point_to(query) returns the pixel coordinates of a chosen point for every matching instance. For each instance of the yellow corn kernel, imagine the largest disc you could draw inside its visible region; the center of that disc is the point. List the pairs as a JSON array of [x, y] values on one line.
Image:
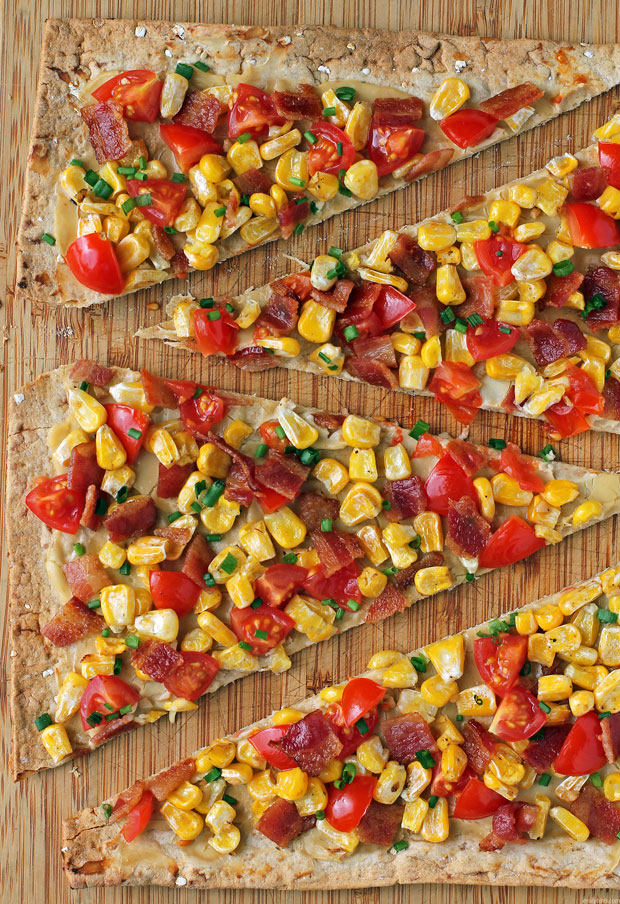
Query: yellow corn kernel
[[358, 124], [332, 474], [324, 186], [115, 228], [610, 581], [197, 641], [256, 542], [112, 555], [287, 716], [183, 318], [448, 98], [433, 580], [548, 534], [451, 255], [507, 491], [438, 692], [581, 702], [525, 622], [431, 352], [484, 491], [214, 167], [329, 98], [609, 646], [262, 786], [236, 432], [109, 449], [226, 840], [292, 164], [285, 527], [118, 605], [88, 412], [396, 462], [323, 275], [607, 692], [611, 786], [219, 753], [248, 314], [159, 441], [550, 195], [436, 825], [586, 676], [314, 798], [564, 638], [581, 656], [540, 512], [568, 789], [189, 214], [112, 645], [552, 688], [210, 224], [549, 616], [346, 841], [390, 783], [528, 231], [291, 784], [278, 660], [453, 762], [560, 492], [383, 659], [436, 236], [160, 624], [516, 313], [449, 289], [415, 814], [186, 825], [401, 674], [273, 148], [573, 826], [69, 696], [378, 257], [609, 130], [473, 231], [298, 431], [597, 348], [371, 755], [93, 664], [412, 373], [609, 202], [559, 251], [476, 701], [361, 503], [384, 279], [72, 183], [562, 166], [172, 94], [62, 453], [311, 617], [332, 694], [523, 195], [448, 656], [587, 511], [56, 741], [132, 251], [201, 255], [611, 259], [282, 347], [212, 461], [456, 348], [244, 156], [237, 774], [576, 597], [534, 264], [240, 591], [363, 465], [148, 550], [507, 212], [506, 367], [369, 537], [413, 701], [362, 178], [492, 781], [186, 796]]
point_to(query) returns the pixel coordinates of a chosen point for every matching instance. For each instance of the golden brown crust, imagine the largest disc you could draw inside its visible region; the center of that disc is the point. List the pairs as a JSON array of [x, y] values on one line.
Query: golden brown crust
[[74, 50]]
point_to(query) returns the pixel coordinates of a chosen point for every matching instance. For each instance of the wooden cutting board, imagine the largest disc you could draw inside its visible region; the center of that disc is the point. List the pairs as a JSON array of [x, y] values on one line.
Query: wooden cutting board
[[37, 339]]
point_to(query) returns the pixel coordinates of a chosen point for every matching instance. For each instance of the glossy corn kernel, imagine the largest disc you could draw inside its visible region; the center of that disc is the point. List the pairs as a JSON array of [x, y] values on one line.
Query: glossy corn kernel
[[324, 186], [523, 195], [72, 182], [448, 288], [185, 825], [363, 465], [278, 660], [384, 279], [281, 346], [492, 781], [568, 789], [160, 624], [473, 231], [448, 98], [160, 442], [587, 511], [132, 251], [559, 251], [560, 492], [240, 591], [453, 762], [196, 641], [401, 674], [507, 212], [533, 264], [172, 94], [294, 164], [550, 195], [390, 783], [87, 411], [415, 814], [581, 702], [581, 656], [298, 431], [412, 373], [248, 314], [526, 232], [234, 657], [576, 597], [314, 798], [486, 498], [69, 696], [118, 605], [371, 755], [396, 462], [549, 616], [201, 255], [433, 580], [275, 147], [285, 527], [609, 646], [93, 664], [262, 786], [448, 657], [438, 692], [62, 453], [109, 449], [362, 178], [540, 512], [148, 550], [226, 840], [564, 638], [345, 841], [609, 202], [332, 474], [507, 491], [476, 701], [378, 257], [361, 503], [311, 617], [212, 461], [413, 701], [418, 778], [611, 786], [186, 796], [525, 622], [255, 541], [436, 825], [258, 229], [516, 313], [585, 676], [451, 255], [456, 348], [112, 555], [370, 540], [552, 688], [332, 694], [431, 352], [330, 99], [56, 741], [291, 784], [436, 236], [573, 826]]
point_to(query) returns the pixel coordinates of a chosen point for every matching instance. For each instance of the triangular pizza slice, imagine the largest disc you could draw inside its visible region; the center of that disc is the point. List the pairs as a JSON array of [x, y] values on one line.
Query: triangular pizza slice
[[166, 539], [511, 302], [485, 757], [160, 148]]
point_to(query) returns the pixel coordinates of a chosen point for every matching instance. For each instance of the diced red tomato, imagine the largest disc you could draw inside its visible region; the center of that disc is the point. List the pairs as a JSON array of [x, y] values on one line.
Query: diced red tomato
[[521, 468], [270, 500], [138, 818], [323, 156], [359, 697], [455, 382], [253, 111], [188, 144], [591, 227], [566, 419], [166, 199], [391, 306], [173, 590], [105, 689], [56, 505], [497, 255], [137, 90], [609, 157], [192, 678], [477, 801], [582, 391], [92, 260], [499, 663], [514, 540], [491, 338], [276, 585], [518, 716], [467, 128], [346, 806], [428, 445], [349, 735], [270, 435], [582, 752], [390, 144], [341, 586], [215, 336], [251, 624], [199, 415], [262, 743], [441, 787], [447, 481], [122, 419]]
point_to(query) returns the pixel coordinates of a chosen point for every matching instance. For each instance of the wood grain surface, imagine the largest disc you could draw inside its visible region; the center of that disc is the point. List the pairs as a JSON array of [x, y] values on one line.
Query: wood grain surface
[[33, 340]]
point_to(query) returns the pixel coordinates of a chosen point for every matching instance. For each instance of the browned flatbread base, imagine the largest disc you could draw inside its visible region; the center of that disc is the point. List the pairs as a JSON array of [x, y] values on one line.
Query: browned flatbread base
[[75, 50]]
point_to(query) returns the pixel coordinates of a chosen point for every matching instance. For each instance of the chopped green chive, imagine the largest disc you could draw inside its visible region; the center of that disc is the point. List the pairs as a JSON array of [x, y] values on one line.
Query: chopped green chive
[[214, 315], [107, 810], [91, 177], [419, 429], [94, 604], [170, 230], [196, 395], [339, 148], [354, 605], [134, 434], [290, 558], [42, 721], [78, 549], [102, 189], [213, 774], [348, 773], [401, 845], [456, 217], [76, 162], [142, 162], [527, 668], [245, 136], [196, 507], [84, 386], [461, 325], [310, 137], [229, 308], [419, 663], [499, 254], [505, 329], [118, 665], [261, 450], [214, 492], [544, 779], [105, 632], [329, 111], [390, 571], [447, 315], [345, 93], [298, 229], [339, 613], [604, 615], [350, 333], [245, 646], [547, 453], [362, 726], [213, 538], [125, 709], [245, 200], [174, 516], [202, 66], [295, 180], [386, 504], [320, 815], [125, 568], [94, 719], [208, 578], [46, 237], [475, 319], [258, 602], [459, 717], [262, 635], [604, 715], [177, 177], [144, 200], [184, 70], [309, 456], [229, 564], [563, 268], [497, 443], [279, 431], [141, 177], [545, 708], [324, 357], [420, 335], [335, 252], [416, 542], [326, 525], [229, 799], [493, 226], [596, 780], [432, 801], [128, 205], [127, 170], [470, 578], [219, 211], [206, 302]]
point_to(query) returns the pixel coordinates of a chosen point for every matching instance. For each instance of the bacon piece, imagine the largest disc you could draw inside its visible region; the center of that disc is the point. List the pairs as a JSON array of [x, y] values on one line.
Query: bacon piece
[[508, 102], [91, 372], [252, 181], [107, 130], [171, 480], [570, 331], [546, 344], [73, 622], [107, 730], [337, 298], [468, 457], [426, 312], [237, 488], [359, 312], [406, 497], [600, 815], [311, 742], [133, 518], [610, 737], [302, 104], [90, 519], [380, 823], [413, 261], [376, 373], [314, 507], [279, 316], [335, 550], [606, 282], [479, 745], [480, 297], [468, 532], [83, 468], [281, 822], [86, 576], [510, 823], [540, 754], [406, 735], [587, 184], [331, 422], [405, 577], [179, 265], [560, 288], [155, 659], [163, 245], [200, 111], [179, 537], [253, 358], [468, 201], [156, 391], [297, 285], [611, 395], [291, 214], [375, 348], [429, 163], [283, 473], [126, 801], [198, 557], [508, 402], [389, 601], [163, 784], [397, 110]]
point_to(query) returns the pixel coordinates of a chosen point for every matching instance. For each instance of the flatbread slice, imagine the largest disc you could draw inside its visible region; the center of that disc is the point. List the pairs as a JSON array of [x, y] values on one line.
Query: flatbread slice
[[510, 85], [324, 542], [514, 311], [511, 814]]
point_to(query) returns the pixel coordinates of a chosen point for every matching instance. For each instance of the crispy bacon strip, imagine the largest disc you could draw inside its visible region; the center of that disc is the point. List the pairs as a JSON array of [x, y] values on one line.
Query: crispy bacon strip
[[374, 372], [84, 470], [302, 104], [252, 181], [375, 348], [390, 601], [165, 782], [587, 184], [199, 110], [428, 163], [314, 507], [91, 372], [406, 498], [406, 735], [335, 550], [480, 292], [198, 557], [380, 823], [413, 261], [102, 733], [86, 576], [171, 480], [478, 744], [560, 288], [156, 659], [107, 130], [253, 358], [291, 214], [73, 622], [311, 742], [337, 298], [508, 102], [133, 518], [283, 473], [468, 532], [126, 801], [405, 577], [279, 316], [281, 822], [600, 815], [540, 754]]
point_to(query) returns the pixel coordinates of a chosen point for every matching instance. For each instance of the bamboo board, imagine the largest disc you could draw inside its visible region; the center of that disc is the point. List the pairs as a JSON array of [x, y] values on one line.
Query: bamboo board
[[33, 340]]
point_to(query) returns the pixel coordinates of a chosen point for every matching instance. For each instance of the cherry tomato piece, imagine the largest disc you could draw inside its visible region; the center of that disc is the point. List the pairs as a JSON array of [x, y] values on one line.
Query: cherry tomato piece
[[215, 334], [496, 257], [137, 90], [521, 468], [188, 144], [591, 227], [359, 696], [609, 157], [499, 664], [138, 818], [199, 415], [392, 143], [173, 590], [582, 752], [102, 690], [391, 306], [447, 481], [55, 504], [566, 419], [349, 735], [346, 806], [491, 338], [92, 260], [273, 435], [518, 716], [341, 586], [514, 540], [467, 128], [323, 156], [263, 628], [192, 678], [166, 199], [122, 419], [477, 801], [277, 585], [262, 742], [253, 111]]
